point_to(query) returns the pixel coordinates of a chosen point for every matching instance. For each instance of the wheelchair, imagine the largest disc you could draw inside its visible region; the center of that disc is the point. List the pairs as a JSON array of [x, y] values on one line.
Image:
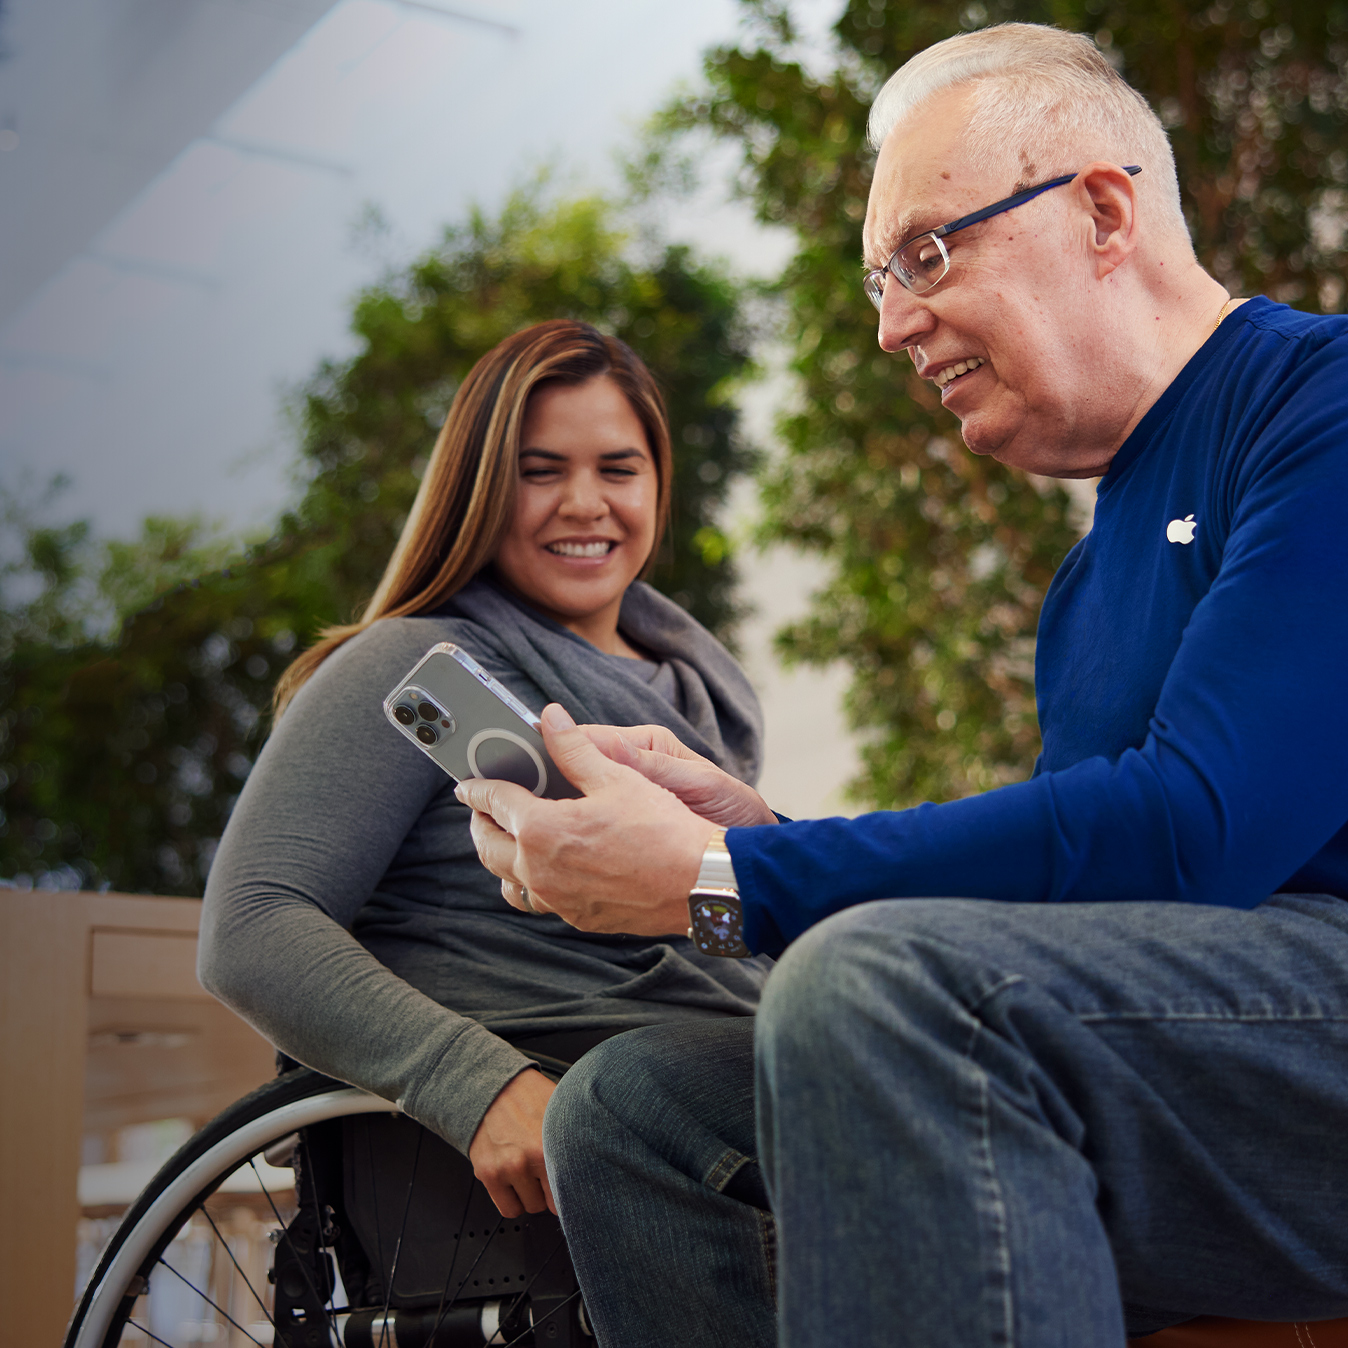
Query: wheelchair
[[312, 1215]]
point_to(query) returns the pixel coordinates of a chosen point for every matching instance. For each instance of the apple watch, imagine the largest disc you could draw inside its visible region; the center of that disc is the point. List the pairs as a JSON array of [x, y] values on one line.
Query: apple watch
[[714, 913]]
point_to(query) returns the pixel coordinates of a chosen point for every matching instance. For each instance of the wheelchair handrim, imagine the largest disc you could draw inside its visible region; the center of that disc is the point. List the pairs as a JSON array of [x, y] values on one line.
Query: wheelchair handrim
[[197, 1179]]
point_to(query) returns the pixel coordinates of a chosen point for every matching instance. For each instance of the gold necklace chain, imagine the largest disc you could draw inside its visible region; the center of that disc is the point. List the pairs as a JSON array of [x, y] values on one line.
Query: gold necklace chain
[[1230, 300]]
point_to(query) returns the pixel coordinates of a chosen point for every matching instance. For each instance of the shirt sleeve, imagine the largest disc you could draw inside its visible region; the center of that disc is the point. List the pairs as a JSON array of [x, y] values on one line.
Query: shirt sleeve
[[321, 818], [1240, 780]]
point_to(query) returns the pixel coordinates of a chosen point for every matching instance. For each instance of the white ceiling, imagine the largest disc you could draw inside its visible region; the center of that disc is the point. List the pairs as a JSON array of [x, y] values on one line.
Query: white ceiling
[[173, 304]]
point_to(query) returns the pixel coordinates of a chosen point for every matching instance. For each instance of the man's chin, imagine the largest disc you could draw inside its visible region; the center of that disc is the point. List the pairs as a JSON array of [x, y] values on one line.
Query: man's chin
[[981, 436]]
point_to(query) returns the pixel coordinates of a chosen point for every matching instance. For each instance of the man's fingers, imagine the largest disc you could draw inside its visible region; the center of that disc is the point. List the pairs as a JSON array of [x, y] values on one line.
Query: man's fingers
[[496, 849], [617, 741], [582, 764], [679, 775], [504, 802], [517, 896], [611, 742]]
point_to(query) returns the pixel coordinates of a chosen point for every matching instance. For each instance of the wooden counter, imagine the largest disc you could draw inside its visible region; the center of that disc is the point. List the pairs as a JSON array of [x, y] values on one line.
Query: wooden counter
[[102, 1025]]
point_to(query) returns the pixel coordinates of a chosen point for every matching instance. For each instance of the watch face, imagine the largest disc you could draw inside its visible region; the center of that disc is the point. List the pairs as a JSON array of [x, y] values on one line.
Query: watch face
[[717, 926]]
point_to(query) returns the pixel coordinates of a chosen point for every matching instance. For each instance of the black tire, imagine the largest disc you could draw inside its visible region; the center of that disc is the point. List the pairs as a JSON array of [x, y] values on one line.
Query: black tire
[[229, 1143]]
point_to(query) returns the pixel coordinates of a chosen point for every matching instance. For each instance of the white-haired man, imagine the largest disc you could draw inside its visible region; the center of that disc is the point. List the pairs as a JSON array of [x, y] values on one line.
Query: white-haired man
[[1106, 1089]]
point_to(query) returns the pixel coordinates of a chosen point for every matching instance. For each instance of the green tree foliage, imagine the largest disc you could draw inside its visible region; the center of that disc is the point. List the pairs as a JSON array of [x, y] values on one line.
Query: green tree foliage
[[940, 559], [121, 757]]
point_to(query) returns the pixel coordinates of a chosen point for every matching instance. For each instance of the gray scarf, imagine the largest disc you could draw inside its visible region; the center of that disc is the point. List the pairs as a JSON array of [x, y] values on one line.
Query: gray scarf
[[722, 719]]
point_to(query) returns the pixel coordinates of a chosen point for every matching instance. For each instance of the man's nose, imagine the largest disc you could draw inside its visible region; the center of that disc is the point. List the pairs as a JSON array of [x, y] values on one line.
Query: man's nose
[[905, 318]]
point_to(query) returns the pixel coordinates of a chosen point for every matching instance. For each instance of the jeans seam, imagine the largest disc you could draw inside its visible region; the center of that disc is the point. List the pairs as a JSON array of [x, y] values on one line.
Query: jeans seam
[[997, 1205], [767, 1235], [727, 1166], [1010, 980]]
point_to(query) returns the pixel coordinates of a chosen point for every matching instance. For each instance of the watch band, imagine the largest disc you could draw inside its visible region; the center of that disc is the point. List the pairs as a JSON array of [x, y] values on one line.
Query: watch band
[[718, 869], [716, 919]]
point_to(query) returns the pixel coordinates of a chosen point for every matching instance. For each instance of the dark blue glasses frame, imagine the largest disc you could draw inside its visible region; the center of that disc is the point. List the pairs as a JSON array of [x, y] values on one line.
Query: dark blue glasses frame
[[907, 277]]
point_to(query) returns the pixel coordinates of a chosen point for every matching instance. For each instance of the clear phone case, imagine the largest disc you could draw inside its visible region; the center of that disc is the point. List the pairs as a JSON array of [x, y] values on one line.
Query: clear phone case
[[472, 725]]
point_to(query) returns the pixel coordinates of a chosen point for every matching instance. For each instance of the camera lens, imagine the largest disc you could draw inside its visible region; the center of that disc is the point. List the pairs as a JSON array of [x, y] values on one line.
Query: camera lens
[[404, 714], [429, 711], [426, 734]]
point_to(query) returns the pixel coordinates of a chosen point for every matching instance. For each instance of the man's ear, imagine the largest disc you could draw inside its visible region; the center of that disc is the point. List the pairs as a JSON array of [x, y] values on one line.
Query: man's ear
[[1107, 194]]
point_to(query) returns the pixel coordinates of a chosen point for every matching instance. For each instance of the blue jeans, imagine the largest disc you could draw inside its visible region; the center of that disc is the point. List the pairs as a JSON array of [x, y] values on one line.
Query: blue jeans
[[980, 1124]]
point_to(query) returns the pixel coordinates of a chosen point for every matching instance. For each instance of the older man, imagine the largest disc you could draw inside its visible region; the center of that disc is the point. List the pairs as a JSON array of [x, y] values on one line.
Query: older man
[[1106, 1089]]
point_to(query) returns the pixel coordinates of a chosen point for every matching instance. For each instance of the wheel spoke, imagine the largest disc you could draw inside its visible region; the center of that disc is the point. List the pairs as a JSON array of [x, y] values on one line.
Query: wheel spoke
[[214, 1305], [519, 1296], [247, 1282], [398, 1246], [149, 1333], [453, 1259], [435, 1328], [328, 1307]]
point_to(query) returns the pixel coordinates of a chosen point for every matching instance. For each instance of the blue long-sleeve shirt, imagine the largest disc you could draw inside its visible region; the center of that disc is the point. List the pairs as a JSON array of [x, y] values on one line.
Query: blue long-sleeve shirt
[[1193, 696]]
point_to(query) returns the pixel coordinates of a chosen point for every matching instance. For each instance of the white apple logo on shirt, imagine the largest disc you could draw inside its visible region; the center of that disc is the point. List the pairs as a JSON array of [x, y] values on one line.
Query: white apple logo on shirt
[[1180, 531]]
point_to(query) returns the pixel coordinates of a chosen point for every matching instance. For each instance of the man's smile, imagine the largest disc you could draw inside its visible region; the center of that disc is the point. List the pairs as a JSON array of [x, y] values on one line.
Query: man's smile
[[947, 375]]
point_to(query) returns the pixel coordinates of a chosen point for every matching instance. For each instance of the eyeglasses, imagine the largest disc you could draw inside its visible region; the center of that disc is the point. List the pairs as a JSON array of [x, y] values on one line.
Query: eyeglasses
[[921, 262]]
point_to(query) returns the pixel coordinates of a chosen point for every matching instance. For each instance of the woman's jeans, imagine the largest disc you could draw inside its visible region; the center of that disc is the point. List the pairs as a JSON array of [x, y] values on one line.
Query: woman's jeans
[[979, 1124]]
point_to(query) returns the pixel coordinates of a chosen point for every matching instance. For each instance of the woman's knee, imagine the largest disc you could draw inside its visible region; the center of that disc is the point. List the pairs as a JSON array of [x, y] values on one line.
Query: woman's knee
[[648, 1089]]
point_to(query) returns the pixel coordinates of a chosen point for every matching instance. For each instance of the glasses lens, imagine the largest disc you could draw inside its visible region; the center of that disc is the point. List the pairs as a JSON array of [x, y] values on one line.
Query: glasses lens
[[874, 286], [920, 264]]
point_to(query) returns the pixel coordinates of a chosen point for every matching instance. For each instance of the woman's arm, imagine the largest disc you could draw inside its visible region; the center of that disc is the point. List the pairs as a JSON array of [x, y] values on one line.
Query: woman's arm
[[324, 813]]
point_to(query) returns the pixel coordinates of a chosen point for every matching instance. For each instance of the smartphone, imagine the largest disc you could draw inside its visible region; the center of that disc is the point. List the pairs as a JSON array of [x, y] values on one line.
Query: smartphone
[[472, 725]]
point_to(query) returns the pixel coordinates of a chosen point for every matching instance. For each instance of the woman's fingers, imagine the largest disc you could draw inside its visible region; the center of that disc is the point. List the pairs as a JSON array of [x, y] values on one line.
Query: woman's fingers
[[516, 1190], [507, 1150]]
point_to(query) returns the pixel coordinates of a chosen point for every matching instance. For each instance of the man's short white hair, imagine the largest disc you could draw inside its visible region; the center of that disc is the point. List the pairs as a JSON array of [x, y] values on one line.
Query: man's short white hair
[[1045, 103]]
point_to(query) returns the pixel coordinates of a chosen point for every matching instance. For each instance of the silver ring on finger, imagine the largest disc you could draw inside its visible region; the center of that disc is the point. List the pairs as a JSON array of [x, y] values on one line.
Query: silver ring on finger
[[526, 900]]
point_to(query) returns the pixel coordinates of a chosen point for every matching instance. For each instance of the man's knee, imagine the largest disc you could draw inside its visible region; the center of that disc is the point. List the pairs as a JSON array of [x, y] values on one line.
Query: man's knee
[[840, 966], [864, 982]]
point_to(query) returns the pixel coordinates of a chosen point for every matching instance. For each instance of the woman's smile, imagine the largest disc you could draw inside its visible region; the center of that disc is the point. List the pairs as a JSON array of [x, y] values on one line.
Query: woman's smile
[[597, 550]]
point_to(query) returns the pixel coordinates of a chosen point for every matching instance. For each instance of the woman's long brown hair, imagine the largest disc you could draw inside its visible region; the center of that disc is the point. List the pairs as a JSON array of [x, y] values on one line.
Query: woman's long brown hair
[[467, 495]]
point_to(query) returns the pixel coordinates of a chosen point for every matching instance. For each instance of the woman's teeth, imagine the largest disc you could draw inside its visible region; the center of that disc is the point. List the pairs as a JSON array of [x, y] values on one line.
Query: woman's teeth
[[600, 549], [954, 371]]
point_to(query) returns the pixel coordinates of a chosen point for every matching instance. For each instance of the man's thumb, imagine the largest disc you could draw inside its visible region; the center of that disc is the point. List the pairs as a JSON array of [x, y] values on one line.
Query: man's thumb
[[581, 763]]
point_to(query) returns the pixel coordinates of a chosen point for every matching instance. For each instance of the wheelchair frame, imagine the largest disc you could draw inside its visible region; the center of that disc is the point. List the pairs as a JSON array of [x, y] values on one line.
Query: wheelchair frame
[[522, 1291]]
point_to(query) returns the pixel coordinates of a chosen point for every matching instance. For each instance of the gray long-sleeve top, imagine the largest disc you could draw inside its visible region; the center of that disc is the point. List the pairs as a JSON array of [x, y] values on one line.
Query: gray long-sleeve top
[[348, 918]]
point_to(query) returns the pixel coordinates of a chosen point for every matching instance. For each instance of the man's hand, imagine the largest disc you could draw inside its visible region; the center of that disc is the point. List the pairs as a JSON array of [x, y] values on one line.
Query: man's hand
[[658, 754], [507, 1150], [621, 859]]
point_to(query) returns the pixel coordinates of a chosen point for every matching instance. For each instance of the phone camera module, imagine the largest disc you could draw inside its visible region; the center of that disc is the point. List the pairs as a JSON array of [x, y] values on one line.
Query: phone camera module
[[404, 714], [426, 734], [429, 711]]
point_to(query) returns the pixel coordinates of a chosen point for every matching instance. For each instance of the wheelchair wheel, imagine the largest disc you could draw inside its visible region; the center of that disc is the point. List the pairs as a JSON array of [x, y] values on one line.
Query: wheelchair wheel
[[233, 1242]]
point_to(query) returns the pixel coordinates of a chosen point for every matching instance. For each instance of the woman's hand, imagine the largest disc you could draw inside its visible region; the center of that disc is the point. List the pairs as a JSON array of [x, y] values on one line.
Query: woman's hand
[[661, 757], [507, 1150]]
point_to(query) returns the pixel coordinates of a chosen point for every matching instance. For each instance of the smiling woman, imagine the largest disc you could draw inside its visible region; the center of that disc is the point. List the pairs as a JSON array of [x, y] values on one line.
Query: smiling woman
[[586, 505], [544, 415], [347, 915]]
